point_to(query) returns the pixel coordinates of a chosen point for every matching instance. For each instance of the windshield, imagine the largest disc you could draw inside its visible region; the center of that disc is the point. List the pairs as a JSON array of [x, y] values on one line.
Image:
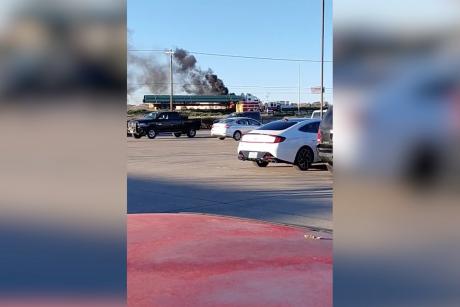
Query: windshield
[[151, 115], [226, 120], [278, 125]]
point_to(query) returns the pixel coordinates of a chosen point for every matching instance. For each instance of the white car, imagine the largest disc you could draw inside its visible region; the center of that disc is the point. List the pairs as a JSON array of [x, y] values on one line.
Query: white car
[[317, 114], [291, 141], [404, 126], [234, 127]]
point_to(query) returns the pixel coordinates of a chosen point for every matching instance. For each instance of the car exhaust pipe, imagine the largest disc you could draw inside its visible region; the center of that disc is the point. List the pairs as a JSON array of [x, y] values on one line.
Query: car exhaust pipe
[[268, 157], [241, 157]]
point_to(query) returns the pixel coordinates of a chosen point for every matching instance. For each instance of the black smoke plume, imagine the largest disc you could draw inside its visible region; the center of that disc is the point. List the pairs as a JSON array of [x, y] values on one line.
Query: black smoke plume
[[147, 71], [195, 80]]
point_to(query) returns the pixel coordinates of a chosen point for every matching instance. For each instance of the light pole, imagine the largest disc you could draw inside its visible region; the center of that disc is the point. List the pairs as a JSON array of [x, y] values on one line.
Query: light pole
[[322, 59], [170, 52], [298, 104]]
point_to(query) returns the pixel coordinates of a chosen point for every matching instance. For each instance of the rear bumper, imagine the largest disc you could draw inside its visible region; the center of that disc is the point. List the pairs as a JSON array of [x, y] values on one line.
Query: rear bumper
[[243, 155], [325, 153], [219, 132]]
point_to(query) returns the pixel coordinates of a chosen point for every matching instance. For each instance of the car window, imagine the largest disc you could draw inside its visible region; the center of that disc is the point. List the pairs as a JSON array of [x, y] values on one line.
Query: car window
[[310, 128], [163, 116], [243, 122], [151, 115], [174, 116], [253, 115], [226, 120], [278, 125], [328, 118], [317, 114], [253, 122]]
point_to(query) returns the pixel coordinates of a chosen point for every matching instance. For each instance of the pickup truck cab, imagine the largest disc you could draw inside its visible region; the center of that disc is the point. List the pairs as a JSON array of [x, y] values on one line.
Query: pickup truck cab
[[159, 122]]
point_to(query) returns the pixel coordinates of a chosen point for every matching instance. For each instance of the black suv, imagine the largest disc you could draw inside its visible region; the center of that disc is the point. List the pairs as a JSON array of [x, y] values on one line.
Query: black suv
[[325, 133]]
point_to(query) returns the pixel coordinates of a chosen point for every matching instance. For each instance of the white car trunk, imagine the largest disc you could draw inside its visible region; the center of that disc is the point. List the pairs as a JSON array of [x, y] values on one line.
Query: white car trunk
[[261, 136]]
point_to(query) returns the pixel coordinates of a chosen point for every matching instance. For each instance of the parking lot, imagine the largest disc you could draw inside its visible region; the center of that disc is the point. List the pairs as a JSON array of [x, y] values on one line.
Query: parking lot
[[203, 175]]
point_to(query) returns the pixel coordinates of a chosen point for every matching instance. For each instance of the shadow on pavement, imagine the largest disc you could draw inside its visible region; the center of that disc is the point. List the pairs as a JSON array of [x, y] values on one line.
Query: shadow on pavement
[[308, 206]]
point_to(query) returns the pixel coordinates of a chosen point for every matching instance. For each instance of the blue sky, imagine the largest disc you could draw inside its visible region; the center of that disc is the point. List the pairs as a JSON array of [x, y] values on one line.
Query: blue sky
[[280, 29]]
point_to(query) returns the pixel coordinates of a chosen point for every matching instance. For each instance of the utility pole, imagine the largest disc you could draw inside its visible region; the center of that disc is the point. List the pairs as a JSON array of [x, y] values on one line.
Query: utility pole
[[170, 52], [298, 104], [322, 59]]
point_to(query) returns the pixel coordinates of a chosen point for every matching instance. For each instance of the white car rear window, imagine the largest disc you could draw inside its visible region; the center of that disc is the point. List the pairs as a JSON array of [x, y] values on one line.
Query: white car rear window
[[278, 125]]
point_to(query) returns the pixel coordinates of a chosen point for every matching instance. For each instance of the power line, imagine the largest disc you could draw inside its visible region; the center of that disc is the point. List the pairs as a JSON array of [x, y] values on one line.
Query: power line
[[228, 85], [149, 50], [235, 56], [255, 92]]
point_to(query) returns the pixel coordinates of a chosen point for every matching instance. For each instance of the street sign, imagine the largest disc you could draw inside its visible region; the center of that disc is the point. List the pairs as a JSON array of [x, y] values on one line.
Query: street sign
[[316, 90]]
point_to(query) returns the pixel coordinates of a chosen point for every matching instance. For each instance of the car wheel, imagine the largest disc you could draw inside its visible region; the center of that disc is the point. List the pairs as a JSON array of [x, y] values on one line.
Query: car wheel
[[222, 138], [304, 158], [137, 136], [177, 134], [261, 163], [191, 133], [423, 169], [237, 135], [151, 133]]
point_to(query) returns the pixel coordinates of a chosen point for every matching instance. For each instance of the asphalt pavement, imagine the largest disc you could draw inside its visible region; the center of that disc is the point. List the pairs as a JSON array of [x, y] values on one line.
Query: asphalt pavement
[[203, 175]]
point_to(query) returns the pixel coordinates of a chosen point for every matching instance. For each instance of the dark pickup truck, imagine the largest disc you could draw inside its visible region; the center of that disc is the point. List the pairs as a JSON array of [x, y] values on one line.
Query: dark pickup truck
[[156, 122], [325, 140]]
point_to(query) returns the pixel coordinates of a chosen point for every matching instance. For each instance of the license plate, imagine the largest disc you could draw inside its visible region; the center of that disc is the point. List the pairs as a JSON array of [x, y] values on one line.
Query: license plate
[[253, 155]]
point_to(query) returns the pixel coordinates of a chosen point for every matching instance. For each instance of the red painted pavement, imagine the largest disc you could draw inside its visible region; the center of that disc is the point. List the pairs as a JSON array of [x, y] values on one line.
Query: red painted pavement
[[205, 260]]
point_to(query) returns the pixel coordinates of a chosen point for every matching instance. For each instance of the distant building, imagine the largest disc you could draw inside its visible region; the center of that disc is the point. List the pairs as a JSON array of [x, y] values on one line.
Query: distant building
[[203, 102], [250, 98], [246, 102], [276, 105], [248, 106], [317, 104]]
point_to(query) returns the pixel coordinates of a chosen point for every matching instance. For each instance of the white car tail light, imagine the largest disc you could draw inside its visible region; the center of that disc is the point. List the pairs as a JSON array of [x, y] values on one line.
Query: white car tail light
[[262, 138]]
